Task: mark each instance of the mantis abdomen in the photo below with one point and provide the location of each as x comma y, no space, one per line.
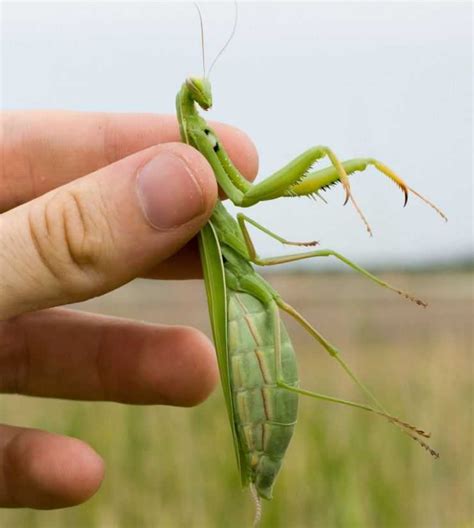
265,414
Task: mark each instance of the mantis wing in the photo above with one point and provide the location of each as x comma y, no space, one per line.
213,270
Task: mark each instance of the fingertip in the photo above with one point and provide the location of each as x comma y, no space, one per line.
241,149
177,367
199,356
47,471
248,154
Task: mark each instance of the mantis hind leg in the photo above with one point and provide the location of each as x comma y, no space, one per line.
330,349
412,431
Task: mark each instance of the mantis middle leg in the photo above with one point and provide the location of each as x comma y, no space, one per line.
273,261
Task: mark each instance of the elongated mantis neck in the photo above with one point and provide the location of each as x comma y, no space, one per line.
185,102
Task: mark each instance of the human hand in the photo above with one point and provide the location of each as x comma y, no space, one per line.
89,202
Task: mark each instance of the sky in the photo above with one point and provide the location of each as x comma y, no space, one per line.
386,80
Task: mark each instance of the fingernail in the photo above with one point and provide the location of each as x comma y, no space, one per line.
168,192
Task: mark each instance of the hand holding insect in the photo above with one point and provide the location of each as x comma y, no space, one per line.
69,180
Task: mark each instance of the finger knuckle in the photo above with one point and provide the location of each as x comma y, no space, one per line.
69,233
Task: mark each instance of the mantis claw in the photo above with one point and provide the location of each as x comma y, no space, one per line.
344,179
345,183
404,187
347,197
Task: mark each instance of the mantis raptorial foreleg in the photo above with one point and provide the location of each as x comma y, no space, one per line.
278,184
294,179
317,180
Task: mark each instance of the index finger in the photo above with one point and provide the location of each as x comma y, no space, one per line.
42,150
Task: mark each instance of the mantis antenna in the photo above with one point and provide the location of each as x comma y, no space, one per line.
231,36
202,40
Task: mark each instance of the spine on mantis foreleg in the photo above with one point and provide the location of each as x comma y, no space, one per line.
265,414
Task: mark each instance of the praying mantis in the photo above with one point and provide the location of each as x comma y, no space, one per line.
257,363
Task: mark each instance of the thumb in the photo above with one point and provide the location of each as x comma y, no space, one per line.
101,231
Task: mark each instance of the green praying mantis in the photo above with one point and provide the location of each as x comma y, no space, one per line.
256,359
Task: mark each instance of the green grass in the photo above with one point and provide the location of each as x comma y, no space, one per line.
170,467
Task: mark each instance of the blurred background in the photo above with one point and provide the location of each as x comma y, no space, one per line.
388,80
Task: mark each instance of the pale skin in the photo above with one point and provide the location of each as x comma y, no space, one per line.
55,162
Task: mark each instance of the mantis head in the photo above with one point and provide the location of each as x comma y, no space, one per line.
201,91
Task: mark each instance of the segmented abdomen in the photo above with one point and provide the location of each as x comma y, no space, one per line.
265,414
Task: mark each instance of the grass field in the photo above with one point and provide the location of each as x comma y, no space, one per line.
171,467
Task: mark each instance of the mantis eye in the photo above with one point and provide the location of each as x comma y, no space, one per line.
200,89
